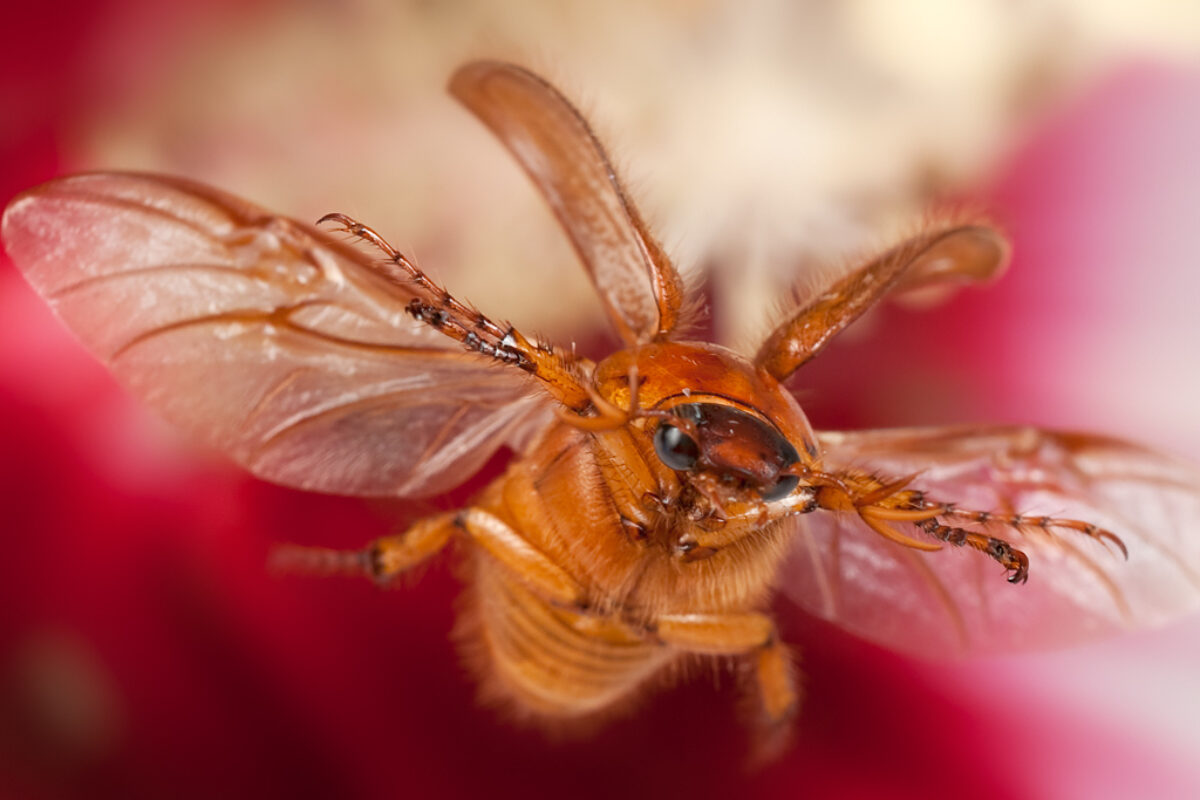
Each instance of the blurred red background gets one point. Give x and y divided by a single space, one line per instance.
145 651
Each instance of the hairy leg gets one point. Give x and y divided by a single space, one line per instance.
879 503
389 556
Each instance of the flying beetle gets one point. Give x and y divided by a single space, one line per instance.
658 497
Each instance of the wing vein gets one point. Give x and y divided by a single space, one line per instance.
276 318
141 272
110 201
296 421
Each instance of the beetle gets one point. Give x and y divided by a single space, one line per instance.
659 496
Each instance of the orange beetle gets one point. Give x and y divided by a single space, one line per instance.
656 494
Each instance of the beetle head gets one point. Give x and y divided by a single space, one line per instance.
725 427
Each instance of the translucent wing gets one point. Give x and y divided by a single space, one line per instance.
955 600
641 290
265 338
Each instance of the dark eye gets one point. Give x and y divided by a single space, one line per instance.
676 449
782 488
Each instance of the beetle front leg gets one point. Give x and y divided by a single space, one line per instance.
750 634
560 372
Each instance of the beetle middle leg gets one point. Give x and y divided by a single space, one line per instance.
717 634
531 566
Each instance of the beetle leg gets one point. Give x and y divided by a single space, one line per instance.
382 560
1045 523
878 503
389 556
1014 560
533 567
560 372
608 416
858 493
747 633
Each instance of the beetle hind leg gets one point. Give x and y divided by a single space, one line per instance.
382 560
749 635
780 696
290 559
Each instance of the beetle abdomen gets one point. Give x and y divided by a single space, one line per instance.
555 662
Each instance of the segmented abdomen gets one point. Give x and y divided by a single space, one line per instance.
555 662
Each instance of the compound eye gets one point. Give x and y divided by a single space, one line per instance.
782 488
676 449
